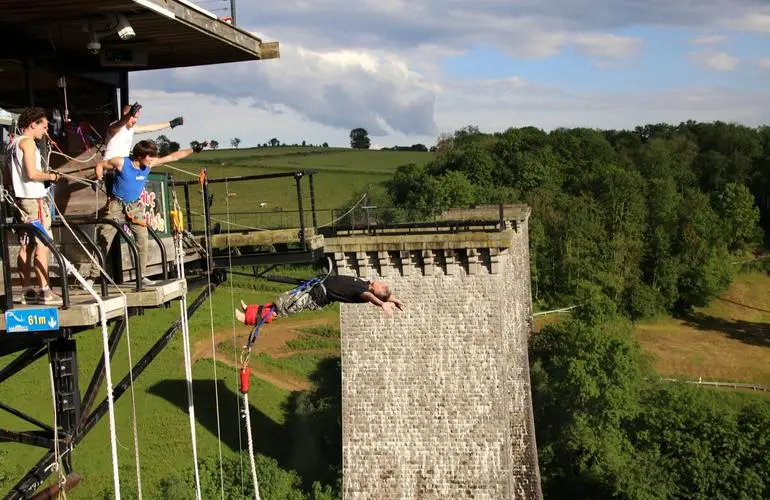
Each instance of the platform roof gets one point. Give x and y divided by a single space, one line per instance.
169 34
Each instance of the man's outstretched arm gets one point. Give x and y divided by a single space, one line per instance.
386 306
154 127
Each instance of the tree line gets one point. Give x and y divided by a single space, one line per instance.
647 218
606 427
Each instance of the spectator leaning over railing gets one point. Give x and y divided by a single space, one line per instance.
30 200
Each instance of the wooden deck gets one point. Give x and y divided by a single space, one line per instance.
84 310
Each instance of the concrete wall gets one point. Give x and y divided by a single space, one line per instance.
436 400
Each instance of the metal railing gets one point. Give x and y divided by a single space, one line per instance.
363 218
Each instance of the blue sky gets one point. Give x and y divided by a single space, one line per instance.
408 71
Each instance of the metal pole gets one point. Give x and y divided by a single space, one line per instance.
312 203
187 207
232 10
207 217
298 178
7 282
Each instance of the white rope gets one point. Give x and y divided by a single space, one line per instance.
70 158
564 309
231 223
235 339
345 214
166 165
247 416
104 273
107 372
214 359
187 363
56 454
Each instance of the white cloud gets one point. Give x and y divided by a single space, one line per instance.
708 39
764 63
607 45
716 60
753 21
344 88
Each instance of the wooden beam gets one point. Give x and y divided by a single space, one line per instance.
262 238
270 50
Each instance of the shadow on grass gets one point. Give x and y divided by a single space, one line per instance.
746 331
268 437
310 442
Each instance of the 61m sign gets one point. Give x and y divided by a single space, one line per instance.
41 319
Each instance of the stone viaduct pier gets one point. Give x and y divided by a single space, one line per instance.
436 401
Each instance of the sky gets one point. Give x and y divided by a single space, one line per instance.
408 71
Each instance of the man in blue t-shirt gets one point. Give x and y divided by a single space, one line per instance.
124 205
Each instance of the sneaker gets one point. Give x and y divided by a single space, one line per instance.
147 282
48 298
29 296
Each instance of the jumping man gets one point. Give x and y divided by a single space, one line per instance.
346 289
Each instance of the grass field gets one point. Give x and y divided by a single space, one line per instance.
729 340
341 174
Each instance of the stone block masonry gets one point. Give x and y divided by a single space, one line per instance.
436 400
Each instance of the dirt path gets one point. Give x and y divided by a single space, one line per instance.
271 341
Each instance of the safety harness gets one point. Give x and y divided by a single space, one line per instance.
261 314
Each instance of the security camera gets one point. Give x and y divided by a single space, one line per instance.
94 46
125 31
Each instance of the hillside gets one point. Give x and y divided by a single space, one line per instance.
342 174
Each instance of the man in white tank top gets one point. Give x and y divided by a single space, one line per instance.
30 193
120 134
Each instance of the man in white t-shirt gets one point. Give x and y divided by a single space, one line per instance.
28 180
120 134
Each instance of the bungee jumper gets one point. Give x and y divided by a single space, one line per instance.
318 293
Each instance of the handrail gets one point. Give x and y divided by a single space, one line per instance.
131 247
92 244
162 247
48 242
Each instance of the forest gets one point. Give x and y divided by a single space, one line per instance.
626 225
646 219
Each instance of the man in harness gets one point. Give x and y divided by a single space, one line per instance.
124 205
319 293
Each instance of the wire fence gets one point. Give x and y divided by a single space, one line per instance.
731 385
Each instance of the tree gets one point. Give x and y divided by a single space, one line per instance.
194 144
235 142
359 139
274 142
165 146
304 144
325 145
586 386
740 217
214 144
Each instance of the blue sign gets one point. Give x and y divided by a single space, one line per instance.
40 319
